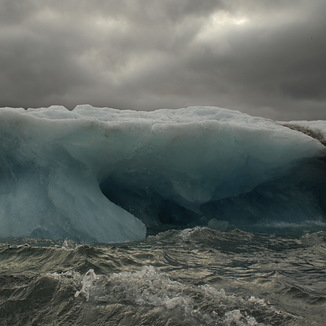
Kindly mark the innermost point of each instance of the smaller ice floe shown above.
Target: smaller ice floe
(69, 244)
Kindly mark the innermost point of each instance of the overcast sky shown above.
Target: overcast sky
(262, 57)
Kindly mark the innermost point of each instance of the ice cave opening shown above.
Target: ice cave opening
(295, 198)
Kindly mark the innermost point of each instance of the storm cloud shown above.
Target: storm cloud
(263, 57)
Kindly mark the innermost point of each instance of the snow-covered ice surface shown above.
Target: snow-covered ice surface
(96, 174)
(316, 129)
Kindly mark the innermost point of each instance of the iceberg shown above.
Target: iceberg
(105, 175)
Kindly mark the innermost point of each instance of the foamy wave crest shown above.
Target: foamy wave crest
(193, 305)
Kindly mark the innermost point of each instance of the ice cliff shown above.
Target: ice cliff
(100, 174)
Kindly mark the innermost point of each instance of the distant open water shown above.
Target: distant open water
(194, 276)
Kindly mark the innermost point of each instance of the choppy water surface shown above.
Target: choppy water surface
(195, 276)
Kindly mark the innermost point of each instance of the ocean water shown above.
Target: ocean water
(196, 276)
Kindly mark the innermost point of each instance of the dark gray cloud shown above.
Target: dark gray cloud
(264, 57)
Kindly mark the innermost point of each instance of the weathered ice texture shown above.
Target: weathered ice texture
(101, 174)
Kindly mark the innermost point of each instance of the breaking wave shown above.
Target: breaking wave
(196, 276)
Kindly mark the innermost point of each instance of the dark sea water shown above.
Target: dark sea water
(196, 276)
